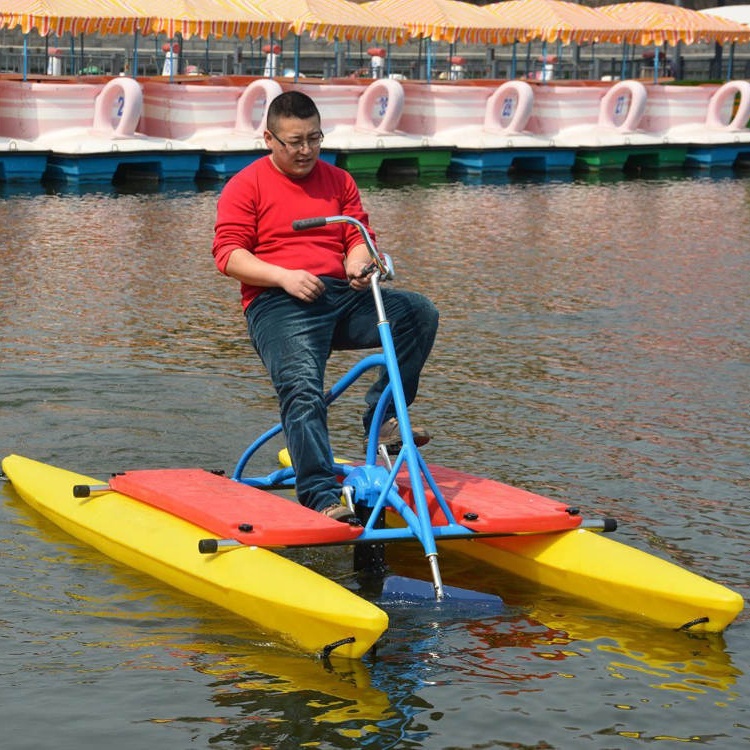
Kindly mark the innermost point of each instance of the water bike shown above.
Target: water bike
(220, 537)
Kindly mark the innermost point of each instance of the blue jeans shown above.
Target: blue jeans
(295, 338)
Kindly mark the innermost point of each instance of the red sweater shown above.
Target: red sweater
(258, 205)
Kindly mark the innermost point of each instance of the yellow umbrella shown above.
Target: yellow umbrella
(659, 23)
(73, 16)
(556, 21)
(441, 20)
(204, 18)
(330, 19)
(187, 17)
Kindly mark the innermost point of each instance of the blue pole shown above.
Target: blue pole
(25, 56)
(296, 57)
(731, 60)
(429, 58)
(135, 54)
(514, 60)
(528, 59)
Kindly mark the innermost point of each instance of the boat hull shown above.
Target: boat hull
(286, 600)
(593, 567)
(588, 565)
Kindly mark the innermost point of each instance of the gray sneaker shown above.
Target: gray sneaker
(390, 436)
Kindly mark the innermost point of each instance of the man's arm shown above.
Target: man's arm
(249, 269)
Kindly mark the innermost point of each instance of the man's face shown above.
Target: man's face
(295, 145)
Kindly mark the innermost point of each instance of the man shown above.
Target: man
(305, 293)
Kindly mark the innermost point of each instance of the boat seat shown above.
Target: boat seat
(232, 510)
(487, 506)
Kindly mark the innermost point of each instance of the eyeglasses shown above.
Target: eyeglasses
(312, 142)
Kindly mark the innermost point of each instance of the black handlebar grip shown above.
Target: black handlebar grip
(316, 221)
(208, 546)
(81, 490)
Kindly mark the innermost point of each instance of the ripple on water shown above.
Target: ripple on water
(594, 346)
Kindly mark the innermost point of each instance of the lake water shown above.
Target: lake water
(594, 346)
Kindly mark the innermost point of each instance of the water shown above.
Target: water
(594, 346)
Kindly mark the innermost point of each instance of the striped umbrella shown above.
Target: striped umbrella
(330, 19)
(556, 21)
(441, 20)
(72, 16)
(204, 18)
(200, 18)
(659, 24)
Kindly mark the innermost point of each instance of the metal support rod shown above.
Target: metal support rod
(437, 580)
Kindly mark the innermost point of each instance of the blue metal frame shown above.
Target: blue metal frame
(374, 485)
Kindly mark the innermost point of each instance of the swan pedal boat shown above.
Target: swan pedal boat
(156, 520)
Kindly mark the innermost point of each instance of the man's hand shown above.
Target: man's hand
(302, 285)
(248, 268)
(359, 268)
(362, 279)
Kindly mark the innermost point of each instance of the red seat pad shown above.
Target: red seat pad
(500, 508)
(221, 505)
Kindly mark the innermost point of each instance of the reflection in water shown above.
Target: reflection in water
(261, 693)
(594, 344)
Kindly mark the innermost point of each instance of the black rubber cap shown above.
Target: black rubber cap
(610, 524)
(208, 546)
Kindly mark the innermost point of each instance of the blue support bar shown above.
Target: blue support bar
(135, 55)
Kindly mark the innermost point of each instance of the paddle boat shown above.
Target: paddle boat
(21, 161)
(362, 122)
(221, 538)
(224, 121)
(716, 135)
(487, 129)
(87, 131)
(603, 123)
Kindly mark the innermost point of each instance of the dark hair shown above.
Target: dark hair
(291, 104)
